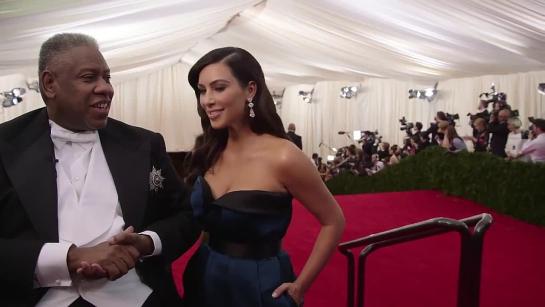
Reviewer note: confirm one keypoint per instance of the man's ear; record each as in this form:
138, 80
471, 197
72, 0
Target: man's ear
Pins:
47, 82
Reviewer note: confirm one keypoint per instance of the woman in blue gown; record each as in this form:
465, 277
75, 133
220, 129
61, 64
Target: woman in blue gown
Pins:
244, 174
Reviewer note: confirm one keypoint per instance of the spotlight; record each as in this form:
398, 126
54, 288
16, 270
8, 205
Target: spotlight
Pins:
13, 97
307, 96
541, 88
356, 135
348, 92
427, 94
18, 91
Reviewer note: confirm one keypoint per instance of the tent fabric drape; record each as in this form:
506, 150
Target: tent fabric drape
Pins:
136, 37
163, 101
297, 42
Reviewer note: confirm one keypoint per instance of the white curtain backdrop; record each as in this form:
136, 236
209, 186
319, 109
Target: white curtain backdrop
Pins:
163, 101
381, 102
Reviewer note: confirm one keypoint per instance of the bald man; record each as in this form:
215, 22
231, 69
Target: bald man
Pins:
296, 139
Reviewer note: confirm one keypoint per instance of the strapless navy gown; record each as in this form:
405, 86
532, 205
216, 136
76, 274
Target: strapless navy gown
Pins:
214, 278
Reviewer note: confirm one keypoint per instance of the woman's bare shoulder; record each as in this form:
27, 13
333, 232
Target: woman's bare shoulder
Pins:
282, 152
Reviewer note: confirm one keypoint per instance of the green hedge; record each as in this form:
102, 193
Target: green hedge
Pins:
511, 187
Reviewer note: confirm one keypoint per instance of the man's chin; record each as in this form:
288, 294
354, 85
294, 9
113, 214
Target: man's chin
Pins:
97, 124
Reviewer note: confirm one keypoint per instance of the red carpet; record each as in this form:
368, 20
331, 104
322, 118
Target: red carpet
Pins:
422, 273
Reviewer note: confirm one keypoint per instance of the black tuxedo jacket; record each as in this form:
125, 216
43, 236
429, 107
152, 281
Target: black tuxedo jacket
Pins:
296, 139
28, 202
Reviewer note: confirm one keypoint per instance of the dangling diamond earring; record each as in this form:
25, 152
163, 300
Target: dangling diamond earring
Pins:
251, 106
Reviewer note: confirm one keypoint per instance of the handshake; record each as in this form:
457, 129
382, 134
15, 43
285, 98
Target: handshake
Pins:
111, 259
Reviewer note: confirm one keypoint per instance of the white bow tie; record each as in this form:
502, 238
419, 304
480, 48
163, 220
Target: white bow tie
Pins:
59, 133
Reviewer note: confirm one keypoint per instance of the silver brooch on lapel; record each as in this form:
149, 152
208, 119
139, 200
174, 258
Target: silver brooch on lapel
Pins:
155, 179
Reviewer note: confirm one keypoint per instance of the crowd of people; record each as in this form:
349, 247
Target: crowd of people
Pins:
497, 132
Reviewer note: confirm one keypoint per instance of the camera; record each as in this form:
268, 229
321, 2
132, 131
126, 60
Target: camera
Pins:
515, 113
406, 126
493, 96
484, 114
452, 117
367, 137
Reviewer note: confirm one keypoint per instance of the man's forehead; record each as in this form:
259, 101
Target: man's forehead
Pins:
79, 58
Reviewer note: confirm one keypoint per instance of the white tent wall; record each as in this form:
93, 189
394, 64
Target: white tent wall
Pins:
164, 102
381, 102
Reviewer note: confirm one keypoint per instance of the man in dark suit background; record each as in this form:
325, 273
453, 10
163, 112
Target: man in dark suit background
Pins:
497, 126
91, 210
296, 139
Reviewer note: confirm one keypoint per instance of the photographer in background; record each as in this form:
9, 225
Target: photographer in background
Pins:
395, 155
535, 149
451, 140
383, 151
424, 139
480, 135
376, 166
514, 138
441, 128
433, 129
414, 130
417, 130
406, 126
482, 114
368, 146
497, 126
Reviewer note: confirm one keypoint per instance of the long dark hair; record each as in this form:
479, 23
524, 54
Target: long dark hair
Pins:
244, 68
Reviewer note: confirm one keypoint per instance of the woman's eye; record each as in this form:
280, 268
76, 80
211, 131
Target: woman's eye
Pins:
219, 89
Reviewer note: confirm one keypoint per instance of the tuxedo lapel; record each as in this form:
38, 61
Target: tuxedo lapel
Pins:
30, 165
128, 161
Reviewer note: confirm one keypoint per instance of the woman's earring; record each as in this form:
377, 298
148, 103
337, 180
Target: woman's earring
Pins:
251, 106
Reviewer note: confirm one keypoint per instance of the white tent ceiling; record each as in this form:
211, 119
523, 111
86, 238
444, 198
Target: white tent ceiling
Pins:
297, 41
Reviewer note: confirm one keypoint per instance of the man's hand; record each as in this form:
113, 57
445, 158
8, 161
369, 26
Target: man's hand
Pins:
143, 243
102, 261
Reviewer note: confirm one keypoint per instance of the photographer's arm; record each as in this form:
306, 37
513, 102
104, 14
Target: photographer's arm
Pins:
446, 143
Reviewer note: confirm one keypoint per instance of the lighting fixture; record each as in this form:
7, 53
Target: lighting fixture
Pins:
348, 92
307, 95
13, 97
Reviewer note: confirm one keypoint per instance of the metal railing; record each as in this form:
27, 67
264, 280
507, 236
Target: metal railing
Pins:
470, 253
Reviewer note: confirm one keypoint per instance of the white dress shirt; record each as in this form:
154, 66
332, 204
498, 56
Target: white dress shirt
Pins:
535, 149
514, 144
88, 213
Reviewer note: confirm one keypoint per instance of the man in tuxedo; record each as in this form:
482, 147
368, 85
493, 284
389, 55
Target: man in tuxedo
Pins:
296, 139
91, 210
497, 126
